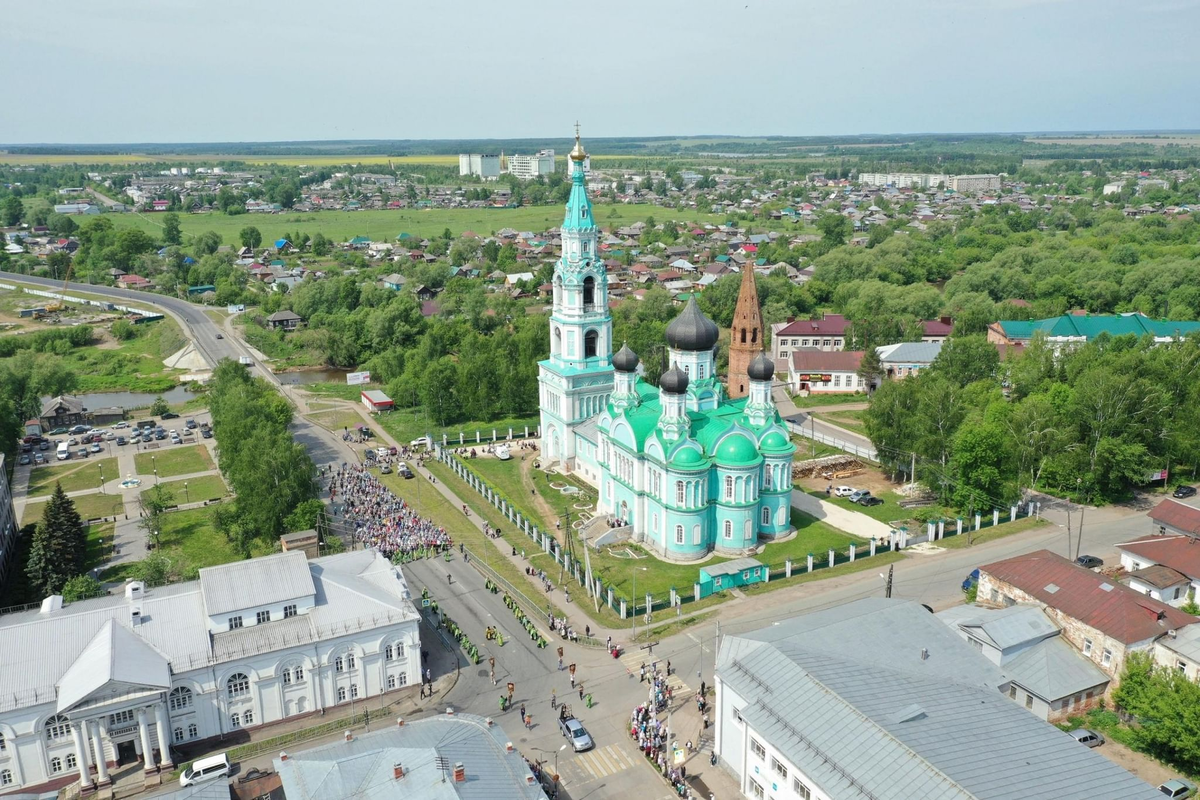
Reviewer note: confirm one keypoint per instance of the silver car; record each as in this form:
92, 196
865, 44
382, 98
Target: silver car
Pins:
576, 734
1087, 738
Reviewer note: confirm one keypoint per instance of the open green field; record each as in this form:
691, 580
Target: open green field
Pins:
386, 225
174, 460
850, 420
89, 506
206, 487
99, 545
988, 534
135, 365
336, 419
822, 400
189, 541
74, 475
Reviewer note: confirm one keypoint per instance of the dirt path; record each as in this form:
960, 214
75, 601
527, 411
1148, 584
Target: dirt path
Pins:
544, 508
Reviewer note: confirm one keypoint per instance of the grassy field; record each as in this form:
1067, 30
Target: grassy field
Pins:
19, 299
336, 419
99, 545
135, 365
189, 541
386, 225
822, 400
74, 475
206, 487
850, 420
988, 534
89, 506
176, 460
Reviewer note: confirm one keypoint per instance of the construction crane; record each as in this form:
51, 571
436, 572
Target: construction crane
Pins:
58, 305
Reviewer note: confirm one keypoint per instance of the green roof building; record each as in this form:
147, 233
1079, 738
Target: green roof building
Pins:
1072, 329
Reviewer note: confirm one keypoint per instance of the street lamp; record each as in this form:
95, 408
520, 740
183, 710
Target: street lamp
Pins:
101, 466
556, 752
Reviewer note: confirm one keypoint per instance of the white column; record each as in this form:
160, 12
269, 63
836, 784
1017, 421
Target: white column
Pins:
96, 729
164, 736
144, 735
81, 755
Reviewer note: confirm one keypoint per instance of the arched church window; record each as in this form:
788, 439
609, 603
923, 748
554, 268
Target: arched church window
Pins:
589, 287
589, 343
679, 493
766, 517
754, 336
180, 698
743, 335
729, 487
57, 728
728, 529
678, 534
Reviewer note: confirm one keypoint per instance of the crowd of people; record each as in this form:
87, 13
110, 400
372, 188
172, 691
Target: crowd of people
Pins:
653, 736
379, 518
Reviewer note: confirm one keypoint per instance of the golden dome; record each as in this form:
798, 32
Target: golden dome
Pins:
578, 154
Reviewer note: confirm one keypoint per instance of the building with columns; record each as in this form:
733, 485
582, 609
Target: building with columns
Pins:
93, 685
684, 468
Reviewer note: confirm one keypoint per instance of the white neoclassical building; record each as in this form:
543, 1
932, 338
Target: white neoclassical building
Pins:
99, 683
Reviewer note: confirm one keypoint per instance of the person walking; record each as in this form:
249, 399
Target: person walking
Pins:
522, 713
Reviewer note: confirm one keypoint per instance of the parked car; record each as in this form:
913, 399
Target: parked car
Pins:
1087, 738
38, 458
188, 434
191, 423
1089, 562
26, 448
160, 435
206, 433
121, 441
971, 581
96, 448
424, 441
24, 460
122, 425
386, 469
80, 429
868, 500
206, 769
576, 734
110, 436
843, 491
59, 431
859, 495
382, 452
170, 415
1178, 787
403, 470
72, 441
82, 452
1184, 491
44, 445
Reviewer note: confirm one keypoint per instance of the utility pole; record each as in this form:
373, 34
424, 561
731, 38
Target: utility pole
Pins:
912, 473
887, 591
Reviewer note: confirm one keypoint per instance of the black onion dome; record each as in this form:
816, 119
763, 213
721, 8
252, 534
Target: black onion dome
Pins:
761, 368
674, 380
625, 360
691, 330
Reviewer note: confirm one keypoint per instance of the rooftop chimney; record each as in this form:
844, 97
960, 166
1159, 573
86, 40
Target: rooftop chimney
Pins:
283, 756
924, 654
349, 736
397, 771
460, 772
134, 590
399, 722
52, 603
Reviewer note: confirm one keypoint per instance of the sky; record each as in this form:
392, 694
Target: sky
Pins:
117, 71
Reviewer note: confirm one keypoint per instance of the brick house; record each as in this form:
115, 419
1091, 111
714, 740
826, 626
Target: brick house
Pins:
1099, 617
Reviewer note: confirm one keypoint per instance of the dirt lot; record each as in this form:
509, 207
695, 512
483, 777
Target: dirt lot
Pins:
1144, 767
870, 478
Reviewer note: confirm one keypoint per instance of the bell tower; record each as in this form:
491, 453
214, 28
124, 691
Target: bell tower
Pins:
746, 334
577, 380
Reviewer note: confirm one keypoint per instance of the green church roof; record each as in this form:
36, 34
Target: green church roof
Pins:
1090, 326
687, 457
738, 450
579, 207
775, 442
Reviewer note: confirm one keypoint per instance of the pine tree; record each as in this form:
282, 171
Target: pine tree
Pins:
59, 545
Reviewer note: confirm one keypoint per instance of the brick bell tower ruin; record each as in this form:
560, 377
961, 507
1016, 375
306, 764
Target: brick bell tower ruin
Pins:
746, 334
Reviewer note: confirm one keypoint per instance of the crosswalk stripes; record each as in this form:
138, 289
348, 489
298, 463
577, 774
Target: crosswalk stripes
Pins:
602, 762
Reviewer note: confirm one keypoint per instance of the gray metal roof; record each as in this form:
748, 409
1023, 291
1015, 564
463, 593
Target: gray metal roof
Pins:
909, 352
355, 591
878, 699
731, 567
115, 655
364, 766
1012, 626
1185, 642
212, 790
1053, 670
256, 582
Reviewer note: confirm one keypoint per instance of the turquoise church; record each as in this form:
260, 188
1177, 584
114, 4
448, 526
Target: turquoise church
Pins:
688, 470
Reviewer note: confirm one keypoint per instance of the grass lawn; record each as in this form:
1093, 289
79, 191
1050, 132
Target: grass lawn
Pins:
174, 460
339, 390
988, 534
845, 568
850, 420
807, 448
406, 424
386, 225
74, 475
505, 477
206, 487
89, 506
821, 400
189, 540
891, 510
99, 545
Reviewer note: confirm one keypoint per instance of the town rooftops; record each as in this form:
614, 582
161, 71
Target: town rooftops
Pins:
1053, 669
63, 404
731, 567
1094, 599
1176, 515
283, 315
829, 325
1180, 553
401, 761
1158, 576
873, 700
807, 359
909, 352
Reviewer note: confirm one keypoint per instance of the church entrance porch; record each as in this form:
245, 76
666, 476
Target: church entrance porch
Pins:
127, 752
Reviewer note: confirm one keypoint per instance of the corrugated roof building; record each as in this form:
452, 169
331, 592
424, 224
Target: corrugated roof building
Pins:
878, 700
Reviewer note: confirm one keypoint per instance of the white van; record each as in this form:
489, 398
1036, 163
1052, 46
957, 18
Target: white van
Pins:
206, 769
64, 451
